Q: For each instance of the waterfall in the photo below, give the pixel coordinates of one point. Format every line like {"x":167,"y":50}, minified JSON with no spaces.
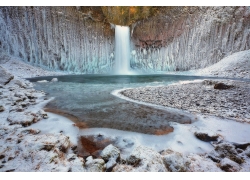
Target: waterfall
{"x":122,"y":50}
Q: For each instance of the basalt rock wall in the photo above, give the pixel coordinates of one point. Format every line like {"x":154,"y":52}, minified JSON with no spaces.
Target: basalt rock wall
{"x":75,"y":39}
{"x":81,"y":40}
{"x":185,"y":38}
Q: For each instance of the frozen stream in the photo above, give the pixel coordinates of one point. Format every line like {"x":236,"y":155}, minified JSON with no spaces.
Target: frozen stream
{"x":89,"y":100}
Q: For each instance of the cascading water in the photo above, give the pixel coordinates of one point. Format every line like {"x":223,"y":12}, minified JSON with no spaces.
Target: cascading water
{"x":122,"y":50}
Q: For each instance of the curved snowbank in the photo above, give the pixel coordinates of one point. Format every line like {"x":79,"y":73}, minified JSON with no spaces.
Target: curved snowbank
{"x":236,"y":65}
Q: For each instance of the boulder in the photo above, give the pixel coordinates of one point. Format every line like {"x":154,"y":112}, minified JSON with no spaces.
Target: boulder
{"x":1,"y":108}
{"x":54,"y":80}
{"x":5,"y":76}
{"x":226,"y":149}
{"x":222,"y":86}
{"x":175,"y":162}
{"x":229,"y":165}
{"x":146,"y":159}
{"x":95,"y":165}
{"x":25,"y":119}
{"x":43,"y":114}
{"x":206,"y":136}
{"x":247,"y":152}
{"x":42,"y":81}
{"x":110,"y":154}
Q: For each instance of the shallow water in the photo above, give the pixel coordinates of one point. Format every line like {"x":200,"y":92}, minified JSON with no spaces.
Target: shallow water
{"x":89,"y":99}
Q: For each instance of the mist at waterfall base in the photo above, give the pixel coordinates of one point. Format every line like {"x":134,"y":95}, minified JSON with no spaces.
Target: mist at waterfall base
{"x":122,"y":51}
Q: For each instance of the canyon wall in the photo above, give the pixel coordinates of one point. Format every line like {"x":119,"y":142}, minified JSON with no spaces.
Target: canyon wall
{"x":60,"y":38}
{"x":185,"y":38}
{"x":81,"y":40}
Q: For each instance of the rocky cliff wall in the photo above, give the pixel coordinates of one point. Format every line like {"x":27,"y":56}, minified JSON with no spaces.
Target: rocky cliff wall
{"x":60,"y":38}
{"x":79,"y":39}
{"x":184,"y":38}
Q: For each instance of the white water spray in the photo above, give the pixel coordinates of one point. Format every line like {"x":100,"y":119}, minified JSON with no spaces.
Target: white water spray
{"x":122,"y":50}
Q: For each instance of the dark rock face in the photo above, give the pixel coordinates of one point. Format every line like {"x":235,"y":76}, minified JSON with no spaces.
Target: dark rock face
{"x":184,"y":38}
{"x":206,"y":137}
{"x":59,"y":38}
{"x":5,"y":77}
{"x":222,"y":86}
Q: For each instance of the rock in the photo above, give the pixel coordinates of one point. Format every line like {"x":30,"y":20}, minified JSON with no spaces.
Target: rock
{"x":228,"y":150}
{"x":1,"y":108}
{"x":222,"y":86}
{"x":146,"y":159}
{"x":43,"y":114}
{"x":247,"y":152}
{"x":54,"y":80}
{"x":42,"y":81}
{"x":95,"y":165}
{"x":2,"y":156}
{"x":175,"y":162}
{"x":229,"y":165}
{"x":5,"y":76}
{"x":241,"y":145}
{"x":206,"y":136}
{"x":110,"y":154}
{"x":25,"y":119}
{"x":19,"y":83}
{"x":19,"y":94}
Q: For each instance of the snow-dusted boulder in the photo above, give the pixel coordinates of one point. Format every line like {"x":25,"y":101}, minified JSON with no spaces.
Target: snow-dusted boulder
{"x":95,"y":165}
{"x":229,"y":165}
{"x":228,"y":150}
{"x":110,"y":154}
{"x":175,"y":162}
{"x":146,"y":159}
{"x":2,"y":108}
{"x":43,"y":114}
{"x":5,"y":76}
{"x":54,"y":80}
{"x":42,"y":81}
{"x":25,"y":119}
{"x":247,"y":151}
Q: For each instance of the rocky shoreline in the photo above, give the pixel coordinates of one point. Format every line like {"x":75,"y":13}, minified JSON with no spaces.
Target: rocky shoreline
{"x":26,"y":147}
{"x":231,"y":101}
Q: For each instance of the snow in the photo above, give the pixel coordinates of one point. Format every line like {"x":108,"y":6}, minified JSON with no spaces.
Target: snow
{"x":24,"y":70}
{"x":28,"y":148}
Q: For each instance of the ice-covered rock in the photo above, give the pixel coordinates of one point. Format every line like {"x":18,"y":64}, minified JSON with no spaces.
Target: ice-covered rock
{"x":22,"y":118}
{"x":110,"y":154}
{"x":43,"y":114}
{"x":42,"y":81}
{"x":146,"y":159}
{"x":175,"y":162}
{"x":247,"y":152}
{"x":54,"y":80}
{"x":226,"y":149}
{"x":206,"y":135}
{"x":5,"y":76}
{"x":229,"y":165}
{"x":95,"y":165}
{"x":2,"y":108}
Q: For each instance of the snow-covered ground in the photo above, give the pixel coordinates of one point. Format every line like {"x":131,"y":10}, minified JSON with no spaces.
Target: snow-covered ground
{"x":236,"y":65}
{"x":33,"y":140}
{"x":23,"y":70}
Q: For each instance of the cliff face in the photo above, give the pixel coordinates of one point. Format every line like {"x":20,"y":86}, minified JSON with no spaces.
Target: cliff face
{"x":190,"y":37}
{"x":60,"y":38}
{"x":79,"y":39}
